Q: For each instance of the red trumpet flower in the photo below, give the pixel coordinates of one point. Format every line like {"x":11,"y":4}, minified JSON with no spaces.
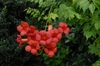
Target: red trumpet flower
{"x":50,"y":52}
{"x":44,"y":37}
{"x":50,"y":27}
{"x":37,"y":41}
{"x":64,"y":27}
{"x":20,"y":40}
{"x":23,"y":28}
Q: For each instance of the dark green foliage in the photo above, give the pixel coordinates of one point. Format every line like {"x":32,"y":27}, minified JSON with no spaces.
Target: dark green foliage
{"x":11,"y":13}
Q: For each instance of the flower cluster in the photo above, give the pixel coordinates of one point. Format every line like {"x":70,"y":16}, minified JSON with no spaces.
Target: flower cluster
{"x":37,"y":41}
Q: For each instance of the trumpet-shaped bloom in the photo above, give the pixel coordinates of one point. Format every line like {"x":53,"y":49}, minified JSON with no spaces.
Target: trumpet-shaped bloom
{"x":23,"y":28}
{"x":31,"y":31}
{"x":64,"y":27}
{"x":28,"y":48}
{"x":56,"y":35}
{"x":34,"y":51}
{"x":37,"y":41}
{"x":50,"y":27}
{"x":50,"y":52}
{"x":34,"y":44}
{"x":44,"y":37}
{"x":20,"y":40}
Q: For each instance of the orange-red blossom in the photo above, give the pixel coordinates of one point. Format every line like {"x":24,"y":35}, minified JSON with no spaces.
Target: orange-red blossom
{"x":36,"y":39}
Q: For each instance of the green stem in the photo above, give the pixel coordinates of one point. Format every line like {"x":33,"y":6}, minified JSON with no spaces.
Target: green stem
{"x":51,"y":6}
{"x":50,"y":11}
{"x":40,"y":51}
{"x":46,"y":26}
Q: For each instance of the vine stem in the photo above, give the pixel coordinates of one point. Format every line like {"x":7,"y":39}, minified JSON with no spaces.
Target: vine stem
{"x":50,"y":11}
{"x":46,"y":26}
{"x":40,"y":51}
{"x":51,"y":6}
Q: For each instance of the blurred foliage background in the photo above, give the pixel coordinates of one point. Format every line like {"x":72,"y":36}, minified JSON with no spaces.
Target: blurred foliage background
{"x":80,"y":48}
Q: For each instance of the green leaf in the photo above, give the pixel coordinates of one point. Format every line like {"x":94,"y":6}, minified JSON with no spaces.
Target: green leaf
{"x":45,"y":18}
{"x":29,"y":10}
{"x":88,"y":34}
{"x":42,"y":3}
{"x":36,"y":1}
{"x":53,"y":16}
{"x":95,"y":47}
{"x":39,"y":18}
{"x":97,"y":63}
{"x":97,"y":40}
{"x":78,"y":16}
{"x":85,"y":6}
{"x":74,"y":1}
{"x":94,"y":32}
{"x":97,"y":25}
{"x":96,"y":1}
{"x":92,"y":48}
{"x":81,"y":3}
{"x":92,"y":8}
{"x":49,"y":20}
{"x":67,"y":12}
{"x":80,"y":47}
{"x":62,"y":6}
{"x":67,"y":41}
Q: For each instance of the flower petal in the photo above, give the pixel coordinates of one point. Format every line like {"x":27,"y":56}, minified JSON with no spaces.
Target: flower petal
{"x":50,"y":27}
{"x":19,"y":28}
{"x":49,"y":41}
{"x":24,"y":25}
{"x":23,"y":32}
{"x":66,"y":31}
{"x":51,"y":54}
{"x":34,"y":51}
{"x":38,"y":37}
{"x":28,"y":48}
{"x":46,"y":50}
{"x":43,"y":43}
